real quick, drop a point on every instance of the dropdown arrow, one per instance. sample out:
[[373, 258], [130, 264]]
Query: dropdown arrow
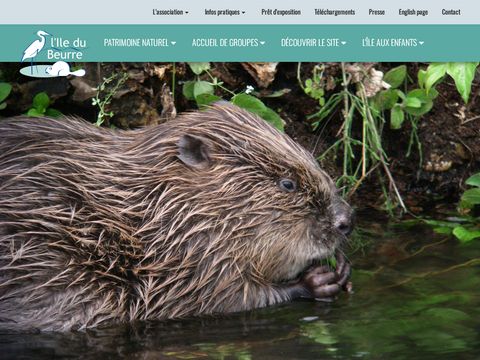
[[421, 42], [173, 42], [262, 42]]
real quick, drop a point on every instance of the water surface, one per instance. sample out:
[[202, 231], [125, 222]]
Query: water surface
[[416, 297]]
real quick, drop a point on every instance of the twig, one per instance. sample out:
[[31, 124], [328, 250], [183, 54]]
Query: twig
[[471, 119], [432, 273]]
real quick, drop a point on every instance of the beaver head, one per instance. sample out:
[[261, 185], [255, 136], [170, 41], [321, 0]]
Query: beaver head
[[251, 191]]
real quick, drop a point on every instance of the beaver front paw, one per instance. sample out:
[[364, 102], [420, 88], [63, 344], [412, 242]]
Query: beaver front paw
[[323, 284]]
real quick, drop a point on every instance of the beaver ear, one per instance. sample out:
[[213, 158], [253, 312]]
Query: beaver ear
[[193, 151]]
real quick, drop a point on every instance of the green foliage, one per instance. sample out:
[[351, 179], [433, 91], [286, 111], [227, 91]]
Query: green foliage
[[396, 117], [40, 107], [465, 227], [199, 67], [203, 93], [399, 100], [465, 234], [200, 91], [396, 76], [256, 106], [473, 180], [314, 87], [105, 92], [361, 154], [5, 89], [462, 73], [416, 102]]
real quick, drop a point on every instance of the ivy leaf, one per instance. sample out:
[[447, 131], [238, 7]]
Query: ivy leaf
[[463, 74], [434, 73]]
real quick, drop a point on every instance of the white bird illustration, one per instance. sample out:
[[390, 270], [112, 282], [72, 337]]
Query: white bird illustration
[[35, 47]]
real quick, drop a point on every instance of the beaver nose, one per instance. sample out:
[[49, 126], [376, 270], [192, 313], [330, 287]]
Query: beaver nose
[[343, 217]]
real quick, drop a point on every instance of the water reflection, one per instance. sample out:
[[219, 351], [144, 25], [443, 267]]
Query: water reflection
[[416, 297]]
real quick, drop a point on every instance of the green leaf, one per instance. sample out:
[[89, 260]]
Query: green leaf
[[256, 106], [187, 90], [385, 100], [396, 76], [41, 102], [424, 98], [466, 235], [206, 99], [465, 205], [248, 102], [202, 87], [3, 105], [413, 102], [434, 73], [463, 74], [199, 67], [422, 74], [432, 94], [396, 117], [34, 113], [53, 113], [472, 196], [473, 180], [443, 230], [273, 118], [5, 89]]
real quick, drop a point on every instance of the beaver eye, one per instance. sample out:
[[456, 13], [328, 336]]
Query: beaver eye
[[287, 185]]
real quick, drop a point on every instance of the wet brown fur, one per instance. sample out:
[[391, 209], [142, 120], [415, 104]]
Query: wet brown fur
[[100, 226]]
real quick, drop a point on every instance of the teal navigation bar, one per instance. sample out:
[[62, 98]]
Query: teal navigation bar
[[92, 43]]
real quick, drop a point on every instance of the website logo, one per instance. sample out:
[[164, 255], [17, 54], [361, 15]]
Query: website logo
[[58, 48]]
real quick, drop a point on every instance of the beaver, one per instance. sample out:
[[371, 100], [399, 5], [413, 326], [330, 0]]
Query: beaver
[[213, 212]]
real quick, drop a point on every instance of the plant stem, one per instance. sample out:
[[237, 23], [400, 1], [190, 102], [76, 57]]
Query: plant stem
[[379, 149]]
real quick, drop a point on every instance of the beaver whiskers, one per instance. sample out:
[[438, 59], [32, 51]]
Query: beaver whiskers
[[213, 212]]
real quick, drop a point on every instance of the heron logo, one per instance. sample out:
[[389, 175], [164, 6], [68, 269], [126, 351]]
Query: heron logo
[[56, 49]]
